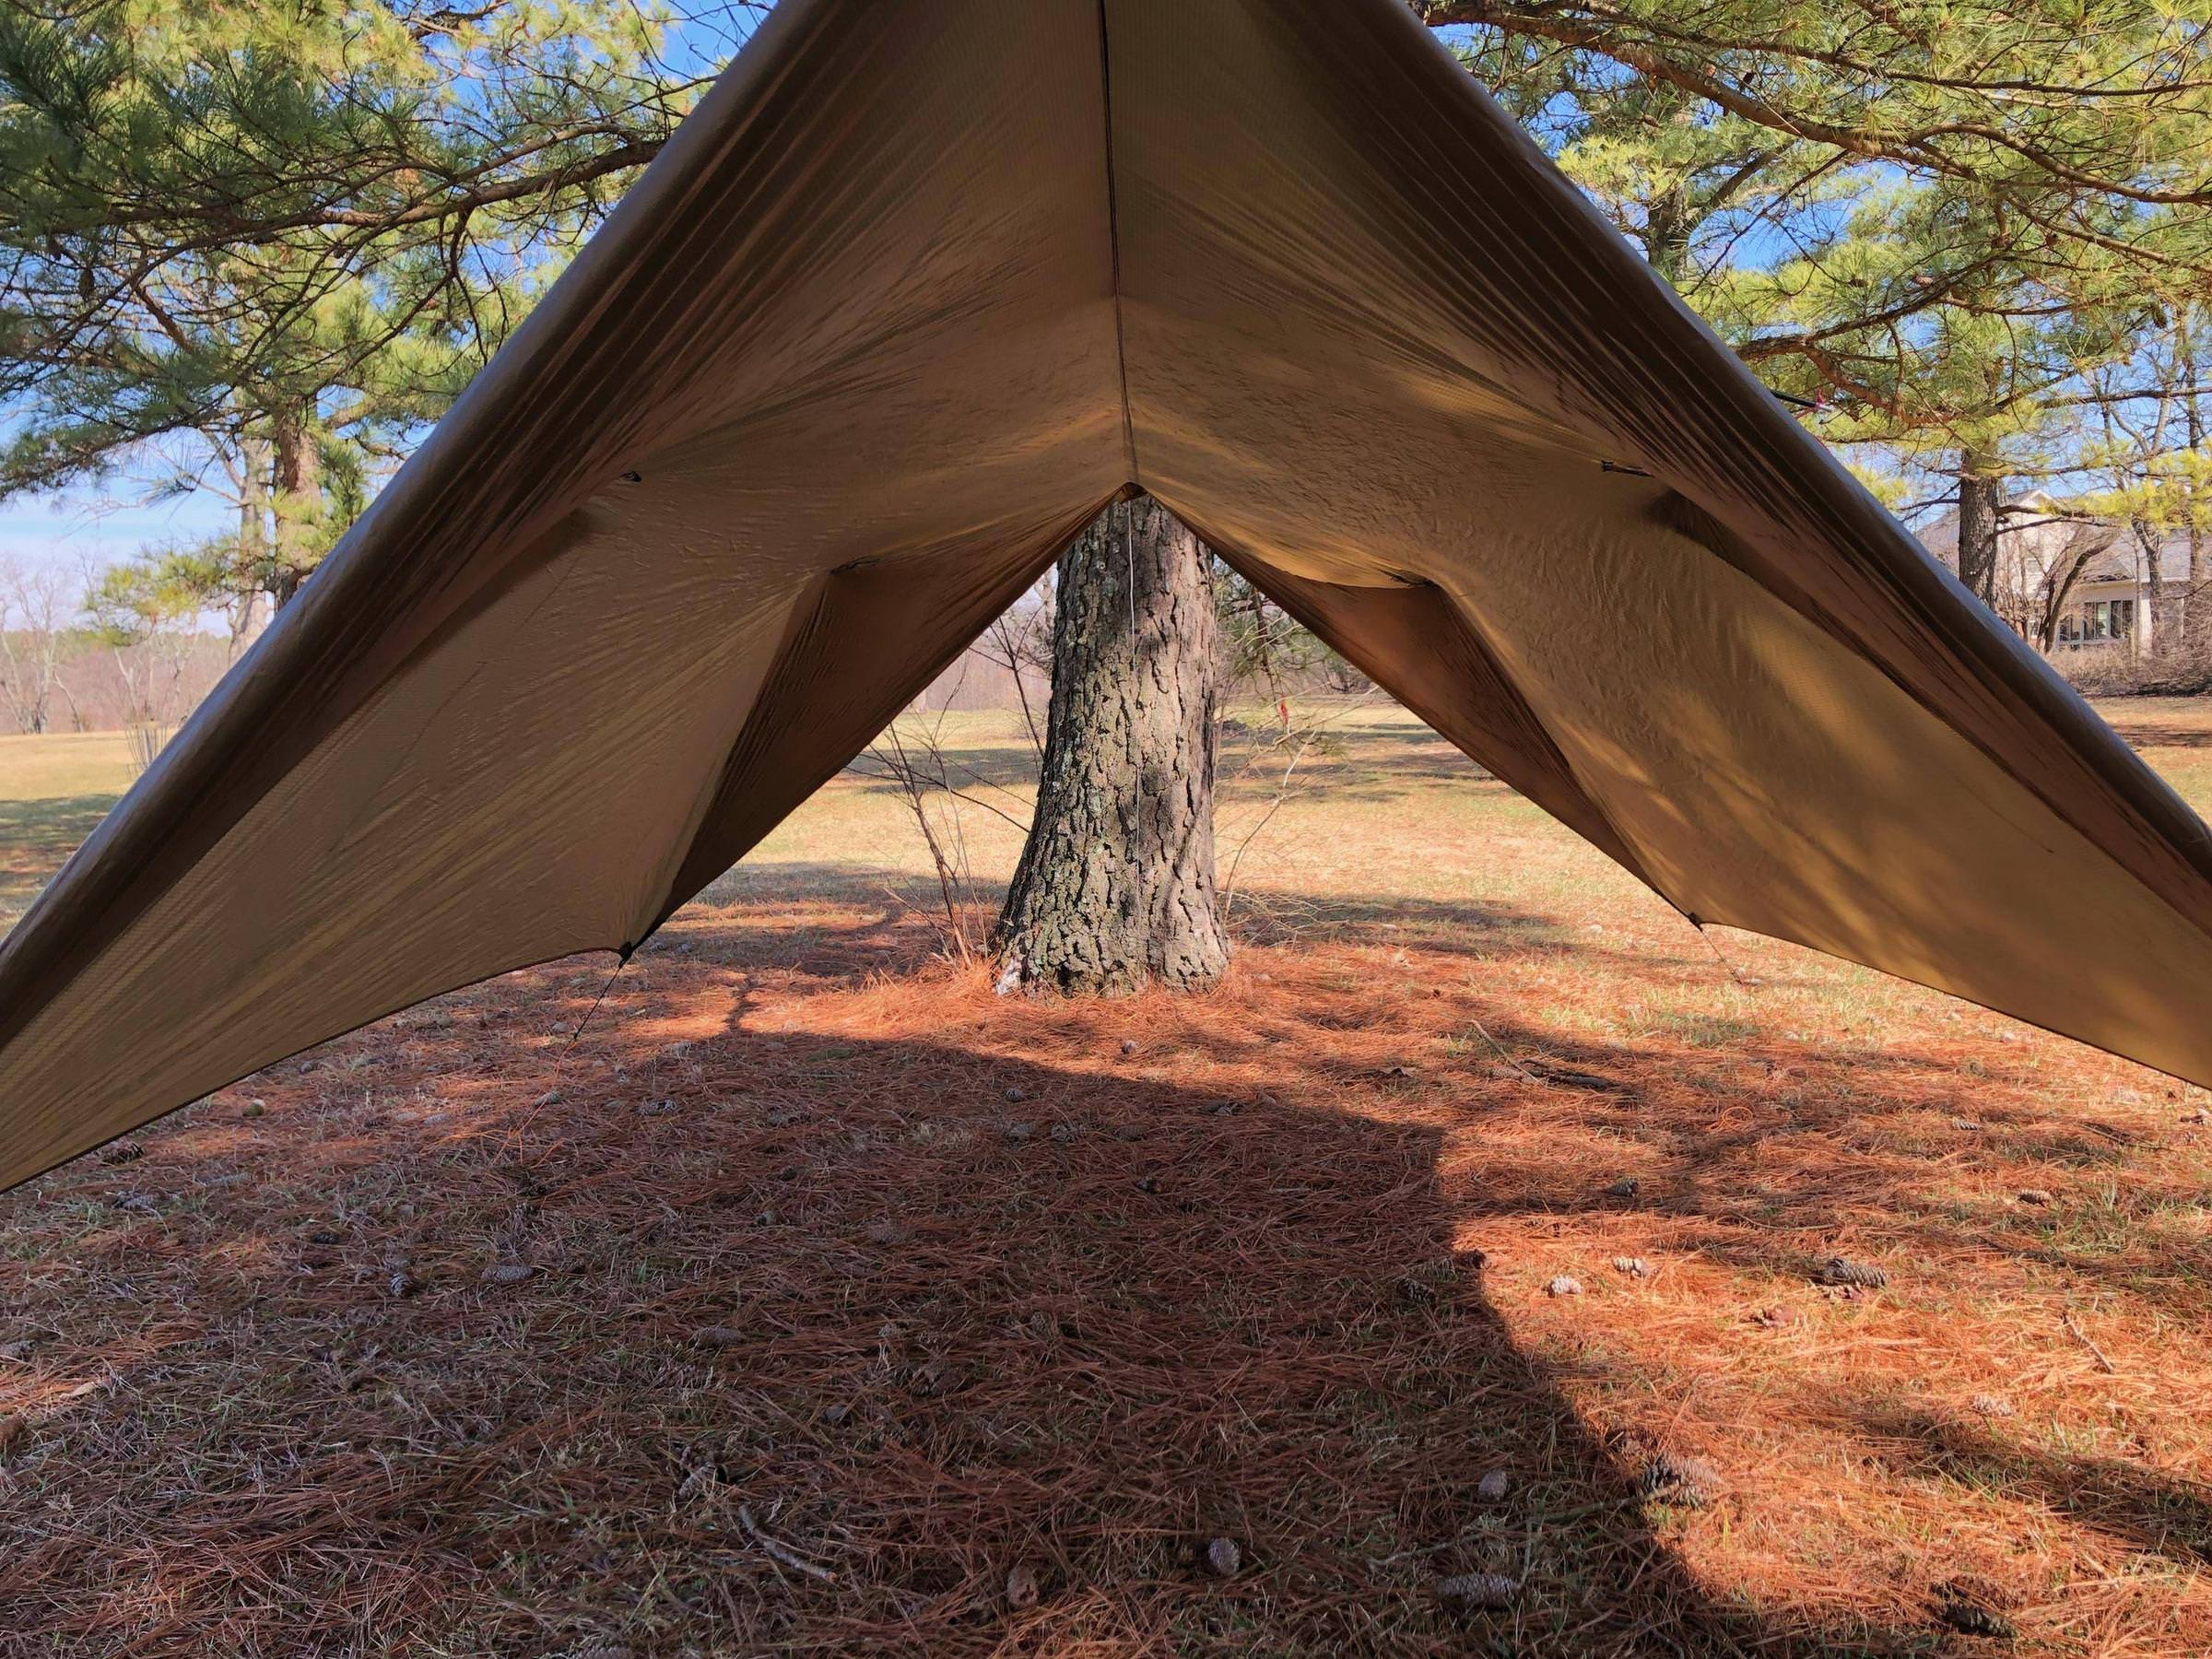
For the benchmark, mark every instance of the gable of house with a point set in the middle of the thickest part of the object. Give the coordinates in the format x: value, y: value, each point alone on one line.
x: 2037, y: 533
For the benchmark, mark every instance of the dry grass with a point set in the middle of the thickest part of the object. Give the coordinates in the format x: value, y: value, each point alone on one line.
x: 836, y: 1305
x: 53, y: 791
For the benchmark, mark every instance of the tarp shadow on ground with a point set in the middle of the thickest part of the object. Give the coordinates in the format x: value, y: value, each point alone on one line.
x: 947, y: 1331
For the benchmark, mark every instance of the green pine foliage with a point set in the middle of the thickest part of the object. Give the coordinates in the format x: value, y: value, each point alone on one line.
x: 1962, y: 226
x: 261, y: 247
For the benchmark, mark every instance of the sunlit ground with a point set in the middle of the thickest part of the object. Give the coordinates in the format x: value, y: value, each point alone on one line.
x: 854, y: 1289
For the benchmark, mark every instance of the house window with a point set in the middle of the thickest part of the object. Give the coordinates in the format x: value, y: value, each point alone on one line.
x: 2100, y: 621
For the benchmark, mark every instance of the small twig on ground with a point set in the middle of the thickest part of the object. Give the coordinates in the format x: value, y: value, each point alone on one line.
x: 782, y: 1553
x: 949, y: 851
x: 892, y: 776
x: 2066, y: 1318
x: 1020, y: 642
x: 1493, y: 1041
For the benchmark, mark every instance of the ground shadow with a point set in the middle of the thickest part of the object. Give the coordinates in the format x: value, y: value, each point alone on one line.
x: 2167, y: 1517
x: 36, y: 837
x: 820, y: 1337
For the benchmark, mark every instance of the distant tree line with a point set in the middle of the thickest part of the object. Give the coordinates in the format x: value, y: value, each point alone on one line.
x: 119, y: 649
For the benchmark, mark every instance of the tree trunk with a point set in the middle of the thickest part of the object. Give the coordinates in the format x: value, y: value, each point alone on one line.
x: 2196, y: 605
x: 1666, y: 226
x: 255, y: 563
x: 1978, y: 499
x: 253, y: 506
x: 297, y: 499
x: 2148, y: 541
x: 1116, y: 883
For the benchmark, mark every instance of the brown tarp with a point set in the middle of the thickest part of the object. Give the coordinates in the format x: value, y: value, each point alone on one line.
x: 919, y: 288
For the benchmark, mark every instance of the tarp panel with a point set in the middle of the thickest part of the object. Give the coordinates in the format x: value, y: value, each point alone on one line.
x: 385, y: 868
x: 1383, y: 345
x: 861, y: 644
x: 862, y: 308
x: 920, y: 285
x: 1369, y: 239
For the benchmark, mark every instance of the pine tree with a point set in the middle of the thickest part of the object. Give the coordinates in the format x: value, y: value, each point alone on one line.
x: 269, y: 245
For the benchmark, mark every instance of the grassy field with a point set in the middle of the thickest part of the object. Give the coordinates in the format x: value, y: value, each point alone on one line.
x: 815, y: 1299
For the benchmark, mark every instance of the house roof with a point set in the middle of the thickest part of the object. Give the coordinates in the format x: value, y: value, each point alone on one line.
x: 2055, y: 530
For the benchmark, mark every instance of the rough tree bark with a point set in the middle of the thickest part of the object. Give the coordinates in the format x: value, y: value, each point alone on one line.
x: 1978, y: 500
x: 1115, y: 886
x: 1667, y: 228
x: 2196, y: 604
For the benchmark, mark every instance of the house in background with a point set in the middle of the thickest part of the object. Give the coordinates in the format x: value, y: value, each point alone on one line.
x: 2070, y: 581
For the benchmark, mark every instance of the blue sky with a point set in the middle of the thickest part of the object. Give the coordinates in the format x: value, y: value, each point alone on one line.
x: 96, y: 527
